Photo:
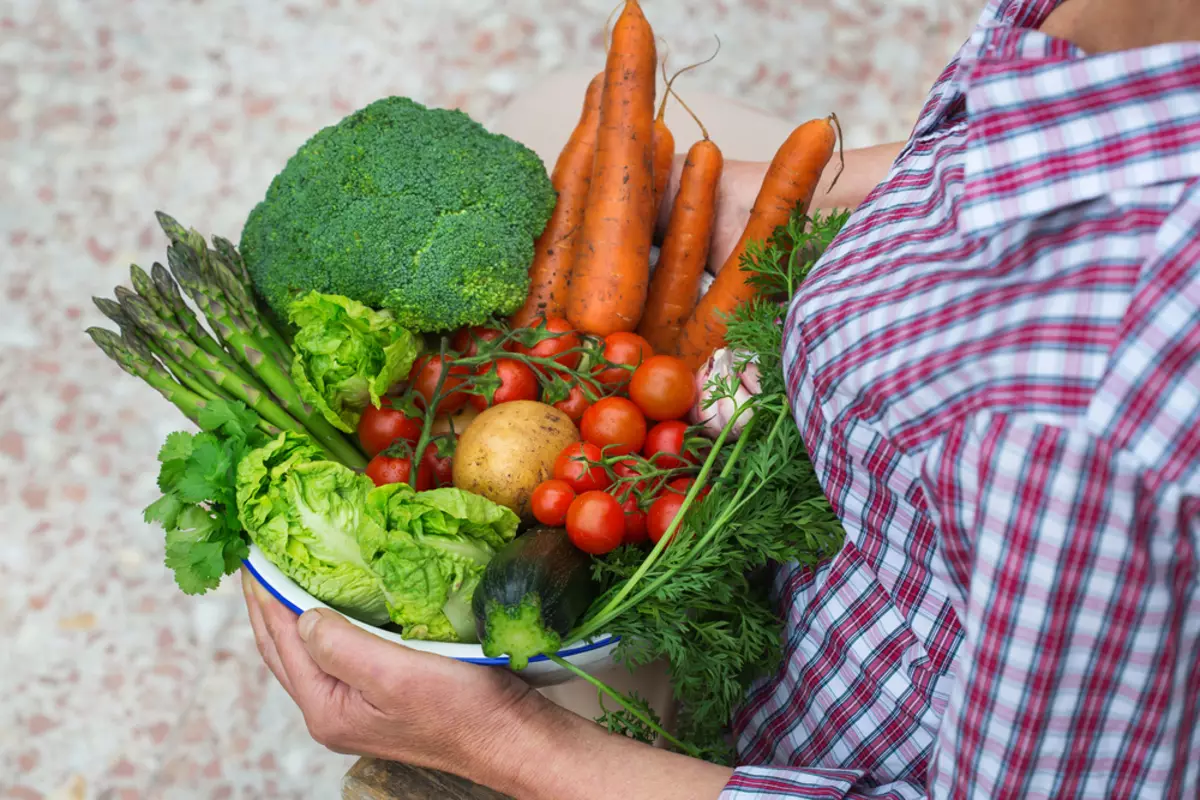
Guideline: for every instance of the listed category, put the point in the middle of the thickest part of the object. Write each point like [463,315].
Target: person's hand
[363,695]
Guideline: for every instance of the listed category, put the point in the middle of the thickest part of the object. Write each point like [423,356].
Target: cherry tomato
[662,513]
[570,468]
[424,377]
[663,387]
[615,425]
[555,346]
[635,522]
[517,382]
[466,341]
[550,501]
[575,404]
[664,445]
[595,522]
[623,348]
[385,468]
[628,468]
[380,427]
[682,486]
[440,469]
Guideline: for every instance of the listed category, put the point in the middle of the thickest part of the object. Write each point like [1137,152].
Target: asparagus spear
[175,342]
[185,317]
[233,332]
[149,370]
[227,251]
[194,380]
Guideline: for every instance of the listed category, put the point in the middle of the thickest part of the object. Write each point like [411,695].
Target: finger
[311,687]
[354,656]
[262,639]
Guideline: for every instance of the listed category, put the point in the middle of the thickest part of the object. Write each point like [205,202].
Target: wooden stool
[372,779]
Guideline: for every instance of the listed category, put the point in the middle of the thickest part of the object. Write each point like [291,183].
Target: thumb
[347,652]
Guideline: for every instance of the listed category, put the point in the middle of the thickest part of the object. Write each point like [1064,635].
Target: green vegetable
[347,355]
[244,359]
[399,206]
[198,508]
[308,515]
[701,602]
[531,595]
[430,549]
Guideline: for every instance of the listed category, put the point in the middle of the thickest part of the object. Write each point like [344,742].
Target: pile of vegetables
[449,394]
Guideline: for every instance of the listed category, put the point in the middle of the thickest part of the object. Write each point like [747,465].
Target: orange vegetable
[684,252]
[610,276]
[554,252]
[789,184]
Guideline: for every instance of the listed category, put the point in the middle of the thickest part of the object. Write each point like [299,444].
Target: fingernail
[308,621]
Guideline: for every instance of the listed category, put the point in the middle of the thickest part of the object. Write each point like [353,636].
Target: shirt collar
[1049,125]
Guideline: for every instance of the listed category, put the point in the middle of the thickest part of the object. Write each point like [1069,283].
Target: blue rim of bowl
[497,662]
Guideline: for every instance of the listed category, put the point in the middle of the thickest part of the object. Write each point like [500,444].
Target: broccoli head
[418,210]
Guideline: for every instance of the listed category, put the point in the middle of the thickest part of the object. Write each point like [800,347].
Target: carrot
[664,145]
[684,252]
[612,259]
[790,182]
[664,140]
[555,249]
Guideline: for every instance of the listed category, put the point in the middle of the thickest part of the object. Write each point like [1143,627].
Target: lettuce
[347,355]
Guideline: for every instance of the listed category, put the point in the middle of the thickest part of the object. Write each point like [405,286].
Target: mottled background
[112,683]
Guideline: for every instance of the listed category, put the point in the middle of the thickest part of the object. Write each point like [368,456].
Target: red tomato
[682,486]
[628,468]
[595,522]
[570,466]
[635,522]
[466,341]
[663,387]
[517,382]
[424,377]
[615,425]
[623,348]
[555,346]
[661,514]
[664,445]
[441,469]
[380,427]
[575,404]
[550,501]
[384,469]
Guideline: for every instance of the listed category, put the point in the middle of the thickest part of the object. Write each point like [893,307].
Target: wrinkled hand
[363,695]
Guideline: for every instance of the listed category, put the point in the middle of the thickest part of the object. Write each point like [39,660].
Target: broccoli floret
[418,210]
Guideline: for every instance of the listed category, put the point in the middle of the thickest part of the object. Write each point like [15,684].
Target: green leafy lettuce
[347,355]
[431,555]
[198,506]
[307,514]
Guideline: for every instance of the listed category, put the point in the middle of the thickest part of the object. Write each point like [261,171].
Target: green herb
[701,601]
[198,507]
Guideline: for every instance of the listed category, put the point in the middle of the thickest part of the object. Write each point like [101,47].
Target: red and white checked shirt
[996,368]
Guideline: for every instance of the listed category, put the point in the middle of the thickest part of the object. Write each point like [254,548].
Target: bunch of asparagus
[246,358]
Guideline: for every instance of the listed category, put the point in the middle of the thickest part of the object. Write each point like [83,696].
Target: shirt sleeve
[1073,569]
[784,783]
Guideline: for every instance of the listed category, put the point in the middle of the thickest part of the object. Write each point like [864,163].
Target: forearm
[552,754]
[865,168]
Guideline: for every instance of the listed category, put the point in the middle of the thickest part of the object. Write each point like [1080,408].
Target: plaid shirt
[996,368]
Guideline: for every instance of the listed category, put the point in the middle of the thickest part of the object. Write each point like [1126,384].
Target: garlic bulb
[716,416]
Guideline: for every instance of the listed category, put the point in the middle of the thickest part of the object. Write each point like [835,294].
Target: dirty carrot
[684,252]
[664,145]
[612,259]
[554,251]
[790,182]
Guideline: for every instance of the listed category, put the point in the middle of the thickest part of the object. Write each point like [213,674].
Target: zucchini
[531,594]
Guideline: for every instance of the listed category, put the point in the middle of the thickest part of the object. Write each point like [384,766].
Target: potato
[509,449]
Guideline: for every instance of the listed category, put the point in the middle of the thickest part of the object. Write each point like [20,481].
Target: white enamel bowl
[590,656]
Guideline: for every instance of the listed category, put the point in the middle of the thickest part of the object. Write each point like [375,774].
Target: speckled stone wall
[112,683]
